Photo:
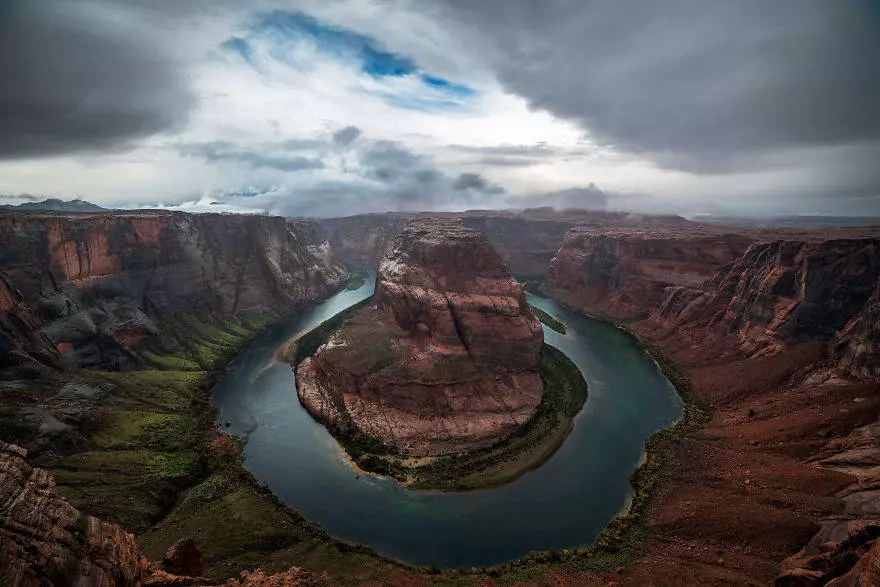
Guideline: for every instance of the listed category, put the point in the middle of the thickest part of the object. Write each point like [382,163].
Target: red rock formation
[93,285]
[781,344]
[627,271]
[46,541]
[858,343]
[447,359]
[43,539]
[183,558]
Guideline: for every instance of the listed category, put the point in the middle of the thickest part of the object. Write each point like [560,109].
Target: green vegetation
[356,278]
[150,464]
[549,320]
[307,344]
[147,446]
[211,346]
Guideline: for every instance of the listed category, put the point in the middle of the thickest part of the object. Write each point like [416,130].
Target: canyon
[776,331]
[772,328]
[446,359]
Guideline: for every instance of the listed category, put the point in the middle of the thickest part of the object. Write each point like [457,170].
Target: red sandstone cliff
[447,359]
[84,290]
[777,332]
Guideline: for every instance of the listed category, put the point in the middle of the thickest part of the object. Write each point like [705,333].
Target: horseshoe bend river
[564,503]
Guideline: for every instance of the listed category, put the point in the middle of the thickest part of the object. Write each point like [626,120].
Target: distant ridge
[54,205]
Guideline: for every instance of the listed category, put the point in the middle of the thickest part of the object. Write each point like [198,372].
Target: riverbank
[240,524]
[535,441]
[565,392]
[548,320]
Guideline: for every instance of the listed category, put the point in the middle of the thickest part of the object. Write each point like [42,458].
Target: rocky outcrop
[853,561]
[86,290]
[46,541]
[858,343]
[366,238]
[767,293]
[447,359]
[183,558]
[627,272]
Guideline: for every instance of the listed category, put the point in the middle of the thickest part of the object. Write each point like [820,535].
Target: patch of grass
[170,362]
[307,344]
[549,320]
[211,345]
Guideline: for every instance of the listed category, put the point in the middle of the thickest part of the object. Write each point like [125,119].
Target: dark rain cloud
[75,78]
[475,182]
[225,151]
[693,84]
[346,135]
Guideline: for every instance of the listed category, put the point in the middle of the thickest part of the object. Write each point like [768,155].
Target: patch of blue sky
[240,47]
[282,27]
[420,103]
[448,87]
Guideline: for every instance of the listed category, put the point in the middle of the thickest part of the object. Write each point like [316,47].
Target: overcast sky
[326,108]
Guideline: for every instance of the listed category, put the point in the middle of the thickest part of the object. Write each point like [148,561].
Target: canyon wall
[365,238]
[526,244]
[626,272]
[777,333]
[447,359]
[85,290]
[768,293]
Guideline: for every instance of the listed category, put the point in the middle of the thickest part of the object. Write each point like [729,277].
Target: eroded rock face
[85,290]
[448,358]
[767,293]
[627,271]
[45,539]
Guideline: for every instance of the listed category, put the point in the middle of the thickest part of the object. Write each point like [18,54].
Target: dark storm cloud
[81,76]
[26,197]
[224,151]
[589,198]
[345,136]
[692,82]
[539,150]
[475,182]
[388,162]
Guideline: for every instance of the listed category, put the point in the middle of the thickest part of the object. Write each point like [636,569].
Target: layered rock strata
[46,541]
[777,332]
[86,290]
[447,358]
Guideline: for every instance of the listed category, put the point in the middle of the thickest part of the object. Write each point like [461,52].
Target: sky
[322,108]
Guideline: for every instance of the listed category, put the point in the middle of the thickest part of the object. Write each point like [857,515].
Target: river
[564,503]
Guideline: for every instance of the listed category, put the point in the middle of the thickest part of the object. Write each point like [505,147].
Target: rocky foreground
[447,358]
[46,541]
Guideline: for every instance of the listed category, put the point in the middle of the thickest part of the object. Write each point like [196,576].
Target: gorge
[113,325]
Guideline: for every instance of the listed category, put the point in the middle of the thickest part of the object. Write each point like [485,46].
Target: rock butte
[448,356]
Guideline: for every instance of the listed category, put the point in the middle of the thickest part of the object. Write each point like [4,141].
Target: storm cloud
[75,79]
[325,108]
[693,84]
[269,158]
